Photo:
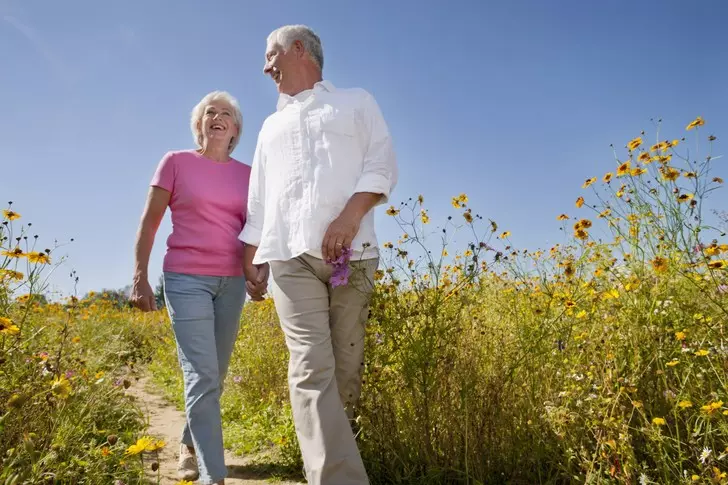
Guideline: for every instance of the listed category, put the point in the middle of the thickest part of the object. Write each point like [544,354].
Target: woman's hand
[142,295]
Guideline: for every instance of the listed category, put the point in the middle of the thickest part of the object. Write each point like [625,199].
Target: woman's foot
[187,464]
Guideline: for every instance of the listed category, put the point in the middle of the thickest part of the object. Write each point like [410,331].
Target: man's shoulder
[354,95]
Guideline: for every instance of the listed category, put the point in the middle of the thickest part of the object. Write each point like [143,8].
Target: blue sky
[514,103]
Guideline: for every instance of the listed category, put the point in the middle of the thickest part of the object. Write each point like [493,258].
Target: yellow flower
[583,224]
[99,374]
[392,211]
[145,443]
[388,245]
[562,217]
[659,422]
[673,363]
[588,182]
[718,180]
[645,158]
[105,451]
[184,482]
[684,404]
[701,353]
[10,215]
[569,304]
[624,169]
[11,274]
[718,264]
[13,253]
[659,264]
[685,197]
[695,123]
[505,235]
[76,339]
[712,407]
[690,175]
[7,327]
[40,258]
[424,217]
[420,199]
[444,253]
[581,234]
[680,336]
[607,177]
[662,146]
[61,388]
[579,202]
[605,213]
[581,314]
[468,217]
[636,172]
[635,143]
[611,294]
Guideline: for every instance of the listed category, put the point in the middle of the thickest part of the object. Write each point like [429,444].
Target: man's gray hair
[199,110]
[286,35]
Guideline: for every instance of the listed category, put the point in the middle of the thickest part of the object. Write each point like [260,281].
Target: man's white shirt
[318,149]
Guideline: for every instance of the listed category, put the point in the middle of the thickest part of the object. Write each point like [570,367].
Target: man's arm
[376,182]
[256,275]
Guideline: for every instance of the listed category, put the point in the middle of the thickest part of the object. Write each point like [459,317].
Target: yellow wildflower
[588,182]
[695,123]
[7,327]
[659,422]
[635,143]
[10,215]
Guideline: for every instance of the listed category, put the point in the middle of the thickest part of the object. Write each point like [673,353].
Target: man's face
[281,66]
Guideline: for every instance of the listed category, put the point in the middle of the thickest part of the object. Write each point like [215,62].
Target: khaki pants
[324,328]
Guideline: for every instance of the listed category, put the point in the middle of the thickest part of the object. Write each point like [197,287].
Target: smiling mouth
[276,75]
[217,127]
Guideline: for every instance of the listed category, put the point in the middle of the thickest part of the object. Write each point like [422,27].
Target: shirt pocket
[337,122]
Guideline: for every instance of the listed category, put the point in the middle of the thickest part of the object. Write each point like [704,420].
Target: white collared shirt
[317,150]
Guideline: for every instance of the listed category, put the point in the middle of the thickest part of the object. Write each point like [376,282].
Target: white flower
[704,455]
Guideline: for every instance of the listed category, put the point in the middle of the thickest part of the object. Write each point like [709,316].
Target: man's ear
[298,48]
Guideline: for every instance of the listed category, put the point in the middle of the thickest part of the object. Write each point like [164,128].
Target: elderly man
[323,161]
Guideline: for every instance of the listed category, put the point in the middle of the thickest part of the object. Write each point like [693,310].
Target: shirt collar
[285,99]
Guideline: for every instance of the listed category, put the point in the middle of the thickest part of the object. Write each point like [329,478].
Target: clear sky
[513,102]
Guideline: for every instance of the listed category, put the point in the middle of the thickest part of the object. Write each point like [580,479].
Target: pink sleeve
[164,175]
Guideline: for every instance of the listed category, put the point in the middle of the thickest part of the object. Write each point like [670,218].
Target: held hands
[142,295]
[256,280]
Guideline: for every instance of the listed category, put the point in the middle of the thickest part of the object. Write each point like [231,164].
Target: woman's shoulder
[243,167]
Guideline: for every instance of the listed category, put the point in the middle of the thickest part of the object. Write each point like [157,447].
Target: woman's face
[218,124]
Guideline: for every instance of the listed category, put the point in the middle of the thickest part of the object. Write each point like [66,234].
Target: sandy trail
[165,422]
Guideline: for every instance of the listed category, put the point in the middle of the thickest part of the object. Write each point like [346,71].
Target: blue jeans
[205,313]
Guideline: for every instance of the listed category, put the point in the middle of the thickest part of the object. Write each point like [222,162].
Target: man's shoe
[187,464]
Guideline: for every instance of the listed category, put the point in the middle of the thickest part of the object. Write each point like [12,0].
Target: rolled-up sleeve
[253,229]
[379,173]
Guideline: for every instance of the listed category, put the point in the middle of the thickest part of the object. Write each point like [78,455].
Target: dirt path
[165,422]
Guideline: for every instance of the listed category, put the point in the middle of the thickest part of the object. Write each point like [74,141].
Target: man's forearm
[248,255]
[360,203]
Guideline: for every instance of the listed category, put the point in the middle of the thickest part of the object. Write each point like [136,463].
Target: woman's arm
[142,295]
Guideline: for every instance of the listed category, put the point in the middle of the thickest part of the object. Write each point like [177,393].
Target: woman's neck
[216,153]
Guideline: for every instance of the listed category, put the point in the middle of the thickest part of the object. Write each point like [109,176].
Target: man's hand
[256,280]
[343,229]
[256,275]
[142,295]
[339,235]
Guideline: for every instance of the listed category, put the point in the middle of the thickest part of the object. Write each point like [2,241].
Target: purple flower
[722,288]
[340,273]
[340,277]
[237,379]
[69,374]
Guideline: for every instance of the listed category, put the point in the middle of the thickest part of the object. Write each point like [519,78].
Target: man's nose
[267,68]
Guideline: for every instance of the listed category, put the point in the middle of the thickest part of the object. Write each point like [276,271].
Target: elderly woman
[204,287]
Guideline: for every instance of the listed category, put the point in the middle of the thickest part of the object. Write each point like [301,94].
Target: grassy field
[599,360]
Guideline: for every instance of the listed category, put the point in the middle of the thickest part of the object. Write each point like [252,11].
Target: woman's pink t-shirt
[208,205]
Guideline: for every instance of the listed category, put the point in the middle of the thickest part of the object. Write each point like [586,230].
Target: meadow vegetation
[599,360]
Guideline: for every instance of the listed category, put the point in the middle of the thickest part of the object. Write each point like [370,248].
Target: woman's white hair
[199,110]
[286,35]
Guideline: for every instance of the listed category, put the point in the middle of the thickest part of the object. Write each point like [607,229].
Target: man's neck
[308,80]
